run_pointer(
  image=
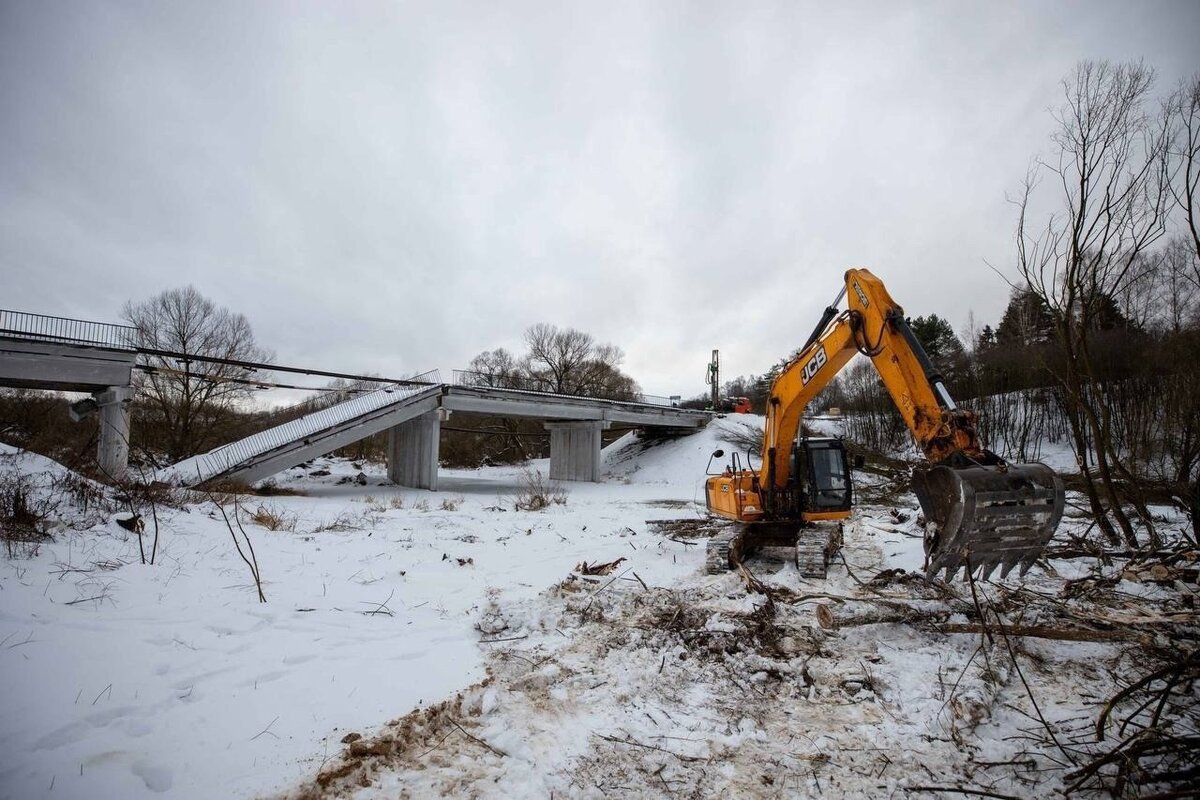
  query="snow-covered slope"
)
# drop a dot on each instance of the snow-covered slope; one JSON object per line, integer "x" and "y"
{"x": 448, "y": 631}
{"x": 124, "y": 679}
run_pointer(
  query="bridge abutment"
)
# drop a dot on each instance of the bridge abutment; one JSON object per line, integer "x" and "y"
{"x": 413, "y": 450}
{"x": 575, "y": 450}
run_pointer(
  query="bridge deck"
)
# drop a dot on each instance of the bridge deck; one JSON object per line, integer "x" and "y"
{"x": 321, "y": 432}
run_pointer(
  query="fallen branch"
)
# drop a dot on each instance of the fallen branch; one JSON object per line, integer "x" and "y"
{"x": 477, "y": 740}
{"x": 634, "y": 743}
{"x": 973, "y": 705}
{"x": 592, "y": 598}
{"x": 960, "y": 790}
{"x": 1047, "y": 632}
{"x": 596, "y": 568}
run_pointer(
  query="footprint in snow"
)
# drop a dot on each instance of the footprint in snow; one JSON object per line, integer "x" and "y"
{"x": 298, "y": 659}
{"x": 157, "y": 779}
{"x": 266, "y": 677}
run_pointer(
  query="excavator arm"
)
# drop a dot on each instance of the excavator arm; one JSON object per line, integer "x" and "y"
{"x": 873, "y": 325}
{"x": 981, "y": 512}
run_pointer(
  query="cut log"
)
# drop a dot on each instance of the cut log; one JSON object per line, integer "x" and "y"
{"x": 882, "y": 610}
{"x": 973, "y": 700}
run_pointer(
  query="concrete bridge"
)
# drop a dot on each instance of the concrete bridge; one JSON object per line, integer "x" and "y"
{"x": 413, "y": 414}
{"x": 70, "y": 355}
{"x": 73, "y": 355}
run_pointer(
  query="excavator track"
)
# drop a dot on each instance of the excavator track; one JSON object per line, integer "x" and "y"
{"x": 813, "y": 547}
{"x": 719, "y": 552}
{"x": 723, "y": 544}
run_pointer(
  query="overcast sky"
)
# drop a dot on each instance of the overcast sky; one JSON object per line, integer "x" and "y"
{"x": 395, "y": 187}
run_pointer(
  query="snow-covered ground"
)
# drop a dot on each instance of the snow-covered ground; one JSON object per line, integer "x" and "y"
{"x": 124, "y": 679}
{"x": 448, "y": 639}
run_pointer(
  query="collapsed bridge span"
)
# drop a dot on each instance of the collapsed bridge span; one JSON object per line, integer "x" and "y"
{"x": 412, "y": 413}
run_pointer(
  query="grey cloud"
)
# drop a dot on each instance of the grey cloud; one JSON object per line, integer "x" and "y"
{"x": 395, "y": 187}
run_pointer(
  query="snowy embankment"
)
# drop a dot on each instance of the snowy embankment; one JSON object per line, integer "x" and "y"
{"x": 124, "y": 679}
{"x": 424, "y": 644}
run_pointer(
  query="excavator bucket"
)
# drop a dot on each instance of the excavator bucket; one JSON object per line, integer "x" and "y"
{"x": 981, "y": 518}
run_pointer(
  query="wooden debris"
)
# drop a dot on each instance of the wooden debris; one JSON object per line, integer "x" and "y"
{"x": 584, "y": 568}
{"x": 132, "y": 523}
{"x": 871, "y": 611}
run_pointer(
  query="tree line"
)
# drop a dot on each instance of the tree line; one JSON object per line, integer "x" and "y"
{"x": 184, "y": 406}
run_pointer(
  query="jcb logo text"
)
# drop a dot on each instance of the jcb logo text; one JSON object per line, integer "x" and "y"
{"x": 862, "y": 297}
{"x": 813, "y": 366}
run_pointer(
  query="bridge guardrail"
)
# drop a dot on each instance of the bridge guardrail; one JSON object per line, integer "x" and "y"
{"x": 327, "y": 398}
{"x": 216, "y": 462}
{"x": 46, "y": 328}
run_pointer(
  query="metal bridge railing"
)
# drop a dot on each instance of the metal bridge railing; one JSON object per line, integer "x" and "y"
{"x": 223, "y": 459}
{"x": 326, "y": 398}
{"x": 525, "y": 383}
{"x": 41, "y": 327}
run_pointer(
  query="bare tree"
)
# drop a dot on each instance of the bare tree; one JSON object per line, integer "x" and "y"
{"x": 1177, "y": 299}
{"x": 1182, "y": 113}
{"x": 569, "y": 361}
{"x": 1111, "y": 178}
{"x": 191, "y": 398}
{"x": 557, "y": 355}
{"x": 495, "y": 368}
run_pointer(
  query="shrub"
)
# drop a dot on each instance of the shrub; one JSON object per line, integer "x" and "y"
{"x": 537, "y": 493}
{"x": 22, "y": 516}
{"x": 273, "y": 519}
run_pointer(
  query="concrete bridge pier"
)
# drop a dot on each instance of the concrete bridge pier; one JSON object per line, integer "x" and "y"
{"x": 575, "y": 450}
{"x": 413, "y": 450}
{"x": 113, "y": 450}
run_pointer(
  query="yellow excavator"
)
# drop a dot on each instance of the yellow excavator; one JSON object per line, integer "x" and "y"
{"x": 981, "y": 512}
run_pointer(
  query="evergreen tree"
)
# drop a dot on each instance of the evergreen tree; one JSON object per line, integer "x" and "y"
{"x": 1027, "y": 320}
{"x": 941, "y": 343}
{"x": 1105, "y": 314}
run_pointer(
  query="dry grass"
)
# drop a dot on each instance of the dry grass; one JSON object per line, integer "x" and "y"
{"x": 226, "y": 487}
{"x": 22, "y": 517}
{"x": 374, "y": 505}
{"x": 347, "y": 521}
{"x": 227, "y": 490}
{"x": 537, "y": 493}
{"x": 272, "y": 489}
{"x": 273, "y": 519}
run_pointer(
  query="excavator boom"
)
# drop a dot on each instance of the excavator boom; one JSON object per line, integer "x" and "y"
{"x": 981, "y": 512}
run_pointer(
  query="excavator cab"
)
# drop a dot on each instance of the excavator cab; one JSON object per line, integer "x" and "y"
{"x": 821, "y": 468}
